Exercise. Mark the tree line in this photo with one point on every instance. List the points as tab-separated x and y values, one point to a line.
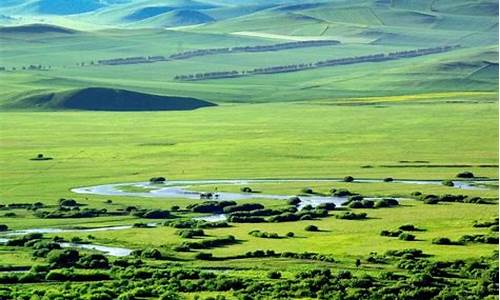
214	51
319	64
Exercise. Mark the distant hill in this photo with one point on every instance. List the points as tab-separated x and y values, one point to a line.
147	12
67	7
188	17
106	99
36	28
175	18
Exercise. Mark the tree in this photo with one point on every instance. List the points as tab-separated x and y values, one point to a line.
358	263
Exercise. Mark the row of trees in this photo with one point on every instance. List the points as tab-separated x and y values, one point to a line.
213	51
132	60
258	48
326	63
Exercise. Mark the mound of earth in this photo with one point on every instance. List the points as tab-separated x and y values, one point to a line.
36	28
107	99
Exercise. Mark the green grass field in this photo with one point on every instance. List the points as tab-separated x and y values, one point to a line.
426	117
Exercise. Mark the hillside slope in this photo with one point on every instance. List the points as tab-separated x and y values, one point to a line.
106	99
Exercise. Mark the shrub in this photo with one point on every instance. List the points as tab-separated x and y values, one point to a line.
380	203
326	206
356	204
311	228
290	234
465	174
409	227
152	254
307	190
431	201
205	244
478	238
388	179
355	198
203	256
169	295
293	201
190	233
156	214
367	203
243	219
348	179
447	183
274	275
4	227
246	189
175	208
351	216
63	258
157	180
442	241
341	193
94	261
243	207
391	233
68	202
262	234
406	237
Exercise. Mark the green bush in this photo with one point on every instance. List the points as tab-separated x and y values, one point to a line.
243	207
367	203
388	179
341	193
152	253
406	236
63	258
4	227
311	228
326	206
447	183
356	204
293	201
94	261
157	180
246	189
190	233
274	275
465	174
409	227
351	216
444	241
389	233
204	256
307	190
348	179
290	234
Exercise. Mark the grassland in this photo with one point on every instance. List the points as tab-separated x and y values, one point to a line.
426	117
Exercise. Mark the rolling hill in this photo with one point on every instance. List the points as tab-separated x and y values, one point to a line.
105	99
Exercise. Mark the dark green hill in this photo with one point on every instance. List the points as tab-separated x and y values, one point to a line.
36	28
189	17
106	99
147	12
